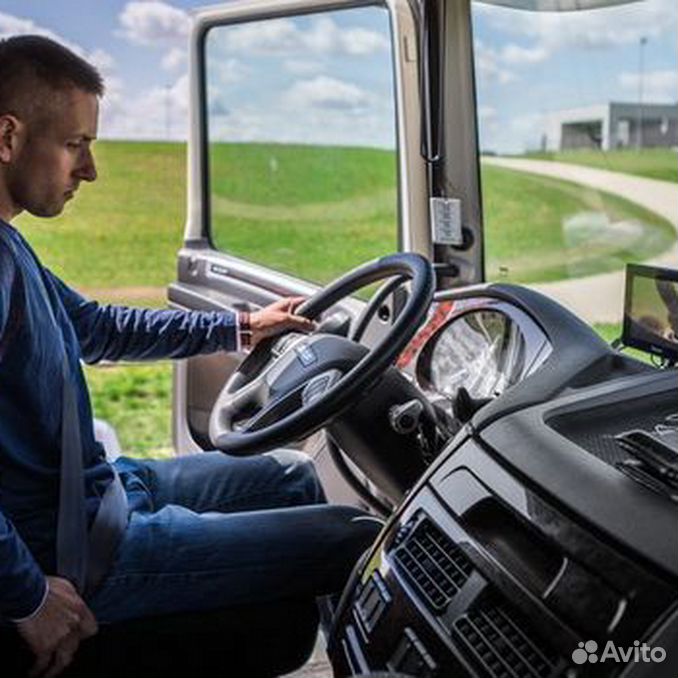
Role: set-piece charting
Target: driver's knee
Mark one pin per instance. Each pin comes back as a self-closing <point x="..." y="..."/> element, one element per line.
<point x="299" y="477"/>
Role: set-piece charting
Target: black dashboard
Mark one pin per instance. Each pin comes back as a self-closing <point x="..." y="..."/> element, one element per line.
<point x="532" y="542"/>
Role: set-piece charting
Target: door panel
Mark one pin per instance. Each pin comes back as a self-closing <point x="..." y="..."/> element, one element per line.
<point x="209" y="281"/>
<point x="299" y="169"/>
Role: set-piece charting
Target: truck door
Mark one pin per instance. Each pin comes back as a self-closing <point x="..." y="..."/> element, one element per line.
<point x="304" y="161"/>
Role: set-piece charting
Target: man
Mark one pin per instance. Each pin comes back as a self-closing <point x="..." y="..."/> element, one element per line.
<point x="197" y="532"/>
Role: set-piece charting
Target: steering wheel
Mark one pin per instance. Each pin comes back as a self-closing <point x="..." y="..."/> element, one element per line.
<point x="290" y="386"/>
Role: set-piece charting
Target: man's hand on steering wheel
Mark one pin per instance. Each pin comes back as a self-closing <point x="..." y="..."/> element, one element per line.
<point x="274" y="319"/>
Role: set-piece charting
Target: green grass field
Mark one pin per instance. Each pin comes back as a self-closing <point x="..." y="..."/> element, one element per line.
<point x="541" y="229"/>
<point x="124" y="230"/>
<point x="296" y="208"/>
<point x="314" y="212"/>
<point x="654" y="163"/>
<point x="136" y="400"/>
<point x="537" y="229"/>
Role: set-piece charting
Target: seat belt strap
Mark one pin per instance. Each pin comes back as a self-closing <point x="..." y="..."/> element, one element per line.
<point x="106" y="533"/>
<point x="72" y="520"/>
<point x="83" y="557"/>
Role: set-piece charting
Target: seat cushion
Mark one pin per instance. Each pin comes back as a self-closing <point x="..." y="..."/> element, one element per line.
<point x="254" y="641"/>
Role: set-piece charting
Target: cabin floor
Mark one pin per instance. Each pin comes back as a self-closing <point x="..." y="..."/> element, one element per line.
<point x="318" y="666"/>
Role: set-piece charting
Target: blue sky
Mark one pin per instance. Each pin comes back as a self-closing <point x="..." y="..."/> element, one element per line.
<point x="530" y="65"/>
<point x="328" y="80"/>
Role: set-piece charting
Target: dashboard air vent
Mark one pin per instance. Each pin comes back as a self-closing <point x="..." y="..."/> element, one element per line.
<point x="433" y="563"/>
<point x="503" y="643"/>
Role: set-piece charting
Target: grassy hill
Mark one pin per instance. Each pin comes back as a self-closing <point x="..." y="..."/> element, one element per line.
<point x="297" y="208"/>
<point x="654" y="163"/>
<point x="541" y="229"/>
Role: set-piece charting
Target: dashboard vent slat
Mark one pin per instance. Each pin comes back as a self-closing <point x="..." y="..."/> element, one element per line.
<point x="433" y="563"/>
<point x="503" y="643"/>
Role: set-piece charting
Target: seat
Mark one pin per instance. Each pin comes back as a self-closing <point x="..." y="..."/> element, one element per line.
<point x="106" y="435"/>
<point x="256" y="641"/>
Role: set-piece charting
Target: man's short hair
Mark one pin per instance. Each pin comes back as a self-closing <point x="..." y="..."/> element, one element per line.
<point x="35" y="69"/>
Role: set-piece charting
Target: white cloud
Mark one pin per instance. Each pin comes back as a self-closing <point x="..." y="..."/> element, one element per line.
<point x="509" y="134"/>
<point x="102" y="60"/>
<point x="515" y="54"/>
<point x="267" y="37"/>
<point x="285" y="37"/>
<point x="302" y="67"/>
<point x="154" y="21"/>
<point x="592" y="29"/>
<point x="487" y="113"/>
<point x="174" y="59"/>
<point x="325" y="36"/>
<point x="322" y="126"/>
<point x="160" y="113"/>
<point x="13" y="25"/>
<point x="229" y="71"/>
<point x="489" y="65"/>
<point x="326" y="92"/>
<point x="658" y="86"/>
<point x="363" y="41"/>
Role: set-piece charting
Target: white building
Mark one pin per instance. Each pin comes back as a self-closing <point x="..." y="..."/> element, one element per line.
<point x="612" y="125"/>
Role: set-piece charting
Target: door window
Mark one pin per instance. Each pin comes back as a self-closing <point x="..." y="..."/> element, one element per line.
<point x="301" y="135"/>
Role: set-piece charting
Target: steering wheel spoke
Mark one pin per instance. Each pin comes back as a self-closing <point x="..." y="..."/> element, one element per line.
<point x="243" y="403"/>
<point x="276" y="409"/>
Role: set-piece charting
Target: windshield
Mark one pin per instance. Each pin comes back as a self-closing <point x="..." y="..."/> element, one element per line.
<point x="578" y="134"/>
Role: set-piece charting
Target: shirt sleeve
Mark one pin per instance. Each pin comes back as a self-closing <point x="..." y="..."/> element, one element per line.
<point x="23" y="586"/>
<point x="122" y="333"/>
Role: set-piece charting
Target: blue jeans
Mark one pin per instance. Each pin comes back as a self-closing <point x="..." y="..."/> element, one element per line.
<point x="210" y="531"/>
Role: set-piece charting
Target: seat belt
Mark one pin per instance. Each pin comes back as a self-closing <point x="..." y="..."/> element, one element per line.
<point x="83" y="558"/>
<point x="107" y="532"/>
<point x="72" y="542"/>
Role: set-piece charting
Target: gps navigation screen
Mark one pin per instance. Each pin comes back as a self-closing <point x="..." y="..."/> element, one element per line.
<point x="651" y="310"/>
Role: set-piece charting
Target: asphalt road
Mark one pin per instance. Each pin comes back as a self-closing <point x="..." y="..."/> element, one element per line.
<point x="661" y="197"/>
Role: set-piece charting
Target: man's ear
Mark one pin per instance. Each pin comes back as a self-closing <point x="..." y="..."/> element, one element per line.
<point x="10" y="131"/>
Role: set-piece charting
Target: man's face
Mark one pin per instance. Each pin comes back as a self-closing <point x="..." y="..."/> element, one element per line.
<point x="54" y="155"/>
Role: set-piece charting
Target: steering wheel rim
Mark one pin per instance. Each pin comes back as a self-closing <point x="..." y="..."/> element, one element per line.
<point x="309" y="418"/>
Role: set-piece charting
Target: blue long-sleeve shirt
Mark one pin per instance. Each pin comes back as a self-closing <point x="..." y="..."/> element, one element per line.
<point x="31" y="347"/>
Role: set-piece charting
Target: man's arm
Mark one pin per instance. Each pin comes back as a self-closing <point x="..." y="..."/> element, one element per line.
<point x="122" y="333"/>
<point x="48" y="613"/>
<point x="22" y="585"/>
